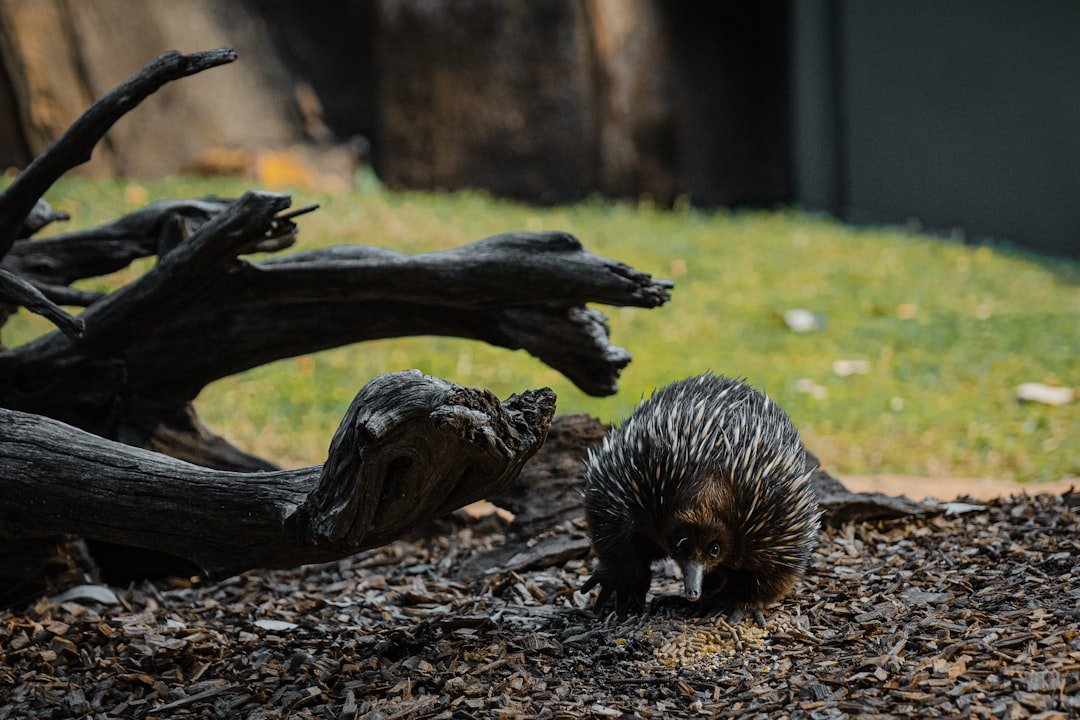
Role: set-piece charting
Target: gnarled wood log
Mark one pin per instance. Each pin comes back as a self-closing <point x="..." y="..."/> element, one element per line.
<point x="129" y="365"/>
<point x="74" y="147"/>
<point x="410" y="448"/>
<point x="62" y="259"/>
<point x="132" y="362"/>
<point x="202" y="313"/>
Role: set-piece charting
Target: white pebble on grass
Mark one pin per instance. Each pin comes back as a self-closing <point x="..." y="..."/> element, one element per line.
<point x="844" y="368"/>
<point x="1045" y="394"/>
<point x="808" y="387"/>
<point x="803" y="321"/>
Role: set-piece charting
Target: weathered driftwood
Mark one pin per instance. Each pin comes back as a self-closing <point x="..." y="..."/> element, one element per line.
<point x="128" y="367"/>
<point x="411" y="447"/>
<point x="516" y="290"/>
<point x="201" y="314"/>
<point x="62" y="259"/>
<point x="843" y="506"/>
<point x="77" y="143"/>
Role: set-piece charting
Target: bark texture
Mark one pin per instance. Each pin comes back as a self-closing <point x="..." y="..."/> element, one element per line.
<point x="410" y="448"/>
<point x="97" y="435"/>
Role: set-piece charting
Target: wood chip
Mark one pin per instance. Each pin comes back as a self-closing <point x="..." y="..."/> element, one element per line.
<point x="971" y="615"/>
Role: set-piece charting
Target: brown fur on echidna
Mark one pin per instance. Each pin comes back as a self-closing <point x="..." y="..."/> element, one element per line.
<point x="710" y="472"/>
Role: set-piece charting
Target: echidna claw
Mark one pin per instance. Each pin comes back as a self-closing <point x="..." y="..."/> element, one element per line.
<point x="736" y="616"/>
<point x="629" y="597"/>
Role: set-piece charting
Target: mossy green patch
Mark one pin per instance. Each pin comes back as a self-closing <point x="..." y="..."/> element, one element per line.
<point x="947" y="331"/>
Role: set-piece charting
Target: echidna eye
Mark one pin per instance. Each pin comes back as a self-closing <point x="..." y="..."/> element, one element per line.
<point x="680" y="543"/>
<point x="714" y="550"/>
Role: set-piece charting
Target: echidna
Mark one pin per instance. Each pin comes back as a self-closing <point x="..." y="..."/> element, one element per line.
<point x="711" y="473"/>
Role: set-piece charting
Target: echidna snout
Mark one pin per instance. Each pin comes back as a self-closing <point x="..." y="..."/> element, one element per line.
<point x="693" y="574"/>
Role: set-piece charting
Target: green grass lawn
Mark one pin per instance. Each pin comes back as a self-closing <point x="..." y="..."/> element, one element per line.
<point x="948" y="331"/>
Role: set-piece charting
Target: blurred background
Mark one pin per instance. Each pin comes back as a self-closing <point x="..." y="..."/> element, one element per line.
<point x="959" y="116"/>
<point x="902" y="172"/>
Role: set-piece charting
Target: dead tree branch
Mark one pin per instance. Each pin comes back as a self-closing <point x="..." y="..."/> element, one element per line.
<point x="410" y="448"/>
<point x="127" y="368"/>
<point x="15" y="290"/>
<point x="77" y="143"/>
<point x="202" y="314"/>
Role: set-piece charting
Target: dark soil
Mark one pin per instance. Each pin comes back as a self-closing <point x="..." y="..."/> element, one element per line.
<point x="975" y="615"/>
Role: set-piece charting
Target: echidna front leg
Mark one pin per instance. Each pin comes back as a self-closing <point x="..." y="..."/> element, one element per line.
<point x="736" y="591"/>
<point x="624" y="574"/>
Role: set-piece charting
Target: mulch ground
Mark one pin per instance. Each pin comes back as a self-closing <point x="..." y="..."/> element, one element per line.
<point x="975" y="615"/>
